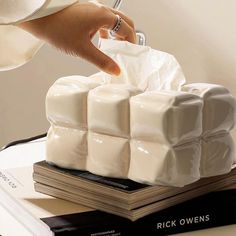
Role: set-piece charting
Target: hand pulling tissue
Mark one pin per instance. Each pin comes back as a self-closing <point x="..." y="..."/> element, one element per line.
<point x="147" y="124"/>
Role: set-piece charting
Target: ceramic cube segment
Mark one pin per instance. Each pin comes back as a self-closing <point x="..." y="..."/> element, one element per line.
<point x="217" y="155"/>
<point x="66" y="101"/>
<point x="166" y="117"/>
<point x="67" y="147"/>
<point x="219" y="107"/>
<point x="156" y="163"/>
<point x="108" y="155"/>
<point x="109" y="110"/>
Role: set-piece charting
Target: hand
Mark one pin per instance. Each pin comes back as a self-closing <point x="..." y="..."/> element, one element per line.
<point x="72" y="29"/>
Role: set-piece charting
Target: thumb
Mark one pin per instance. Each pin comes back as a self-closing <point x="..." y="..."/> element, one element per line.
<point x="101" y="60"/>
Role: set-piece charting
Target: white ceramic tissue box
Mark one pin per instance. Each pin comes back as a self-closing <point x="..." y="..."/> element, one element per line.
<point x="67" y="147"/>
<point x="109" y="109"/>
<point x="153" y="162"/>
<point x="115" y="130"/>
<point x="218" y="120"/>
<point x="218" y="155"/>
<point x="219" y="107"/>
<point x="170" y="117"/>
<point x="66" y="101"/>
<point x="108" y="155"/>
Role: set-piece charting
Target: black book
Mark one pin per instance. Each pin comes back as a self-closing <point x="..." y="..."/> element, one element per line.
<point x="199" y="213"/>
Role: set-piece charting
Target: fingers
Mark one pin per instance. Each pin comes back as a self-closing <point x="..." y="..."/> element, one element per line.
<point x="126" y="30"/>
<point x="98" y="58"/>
<point x="124" y="17"/>
<point x="103" y="33"/>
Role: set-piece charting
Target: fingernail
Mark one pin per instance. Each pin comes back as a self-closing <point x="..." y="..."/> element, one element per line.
<point x="117" y="70"/>
<point x="114" y="69"/>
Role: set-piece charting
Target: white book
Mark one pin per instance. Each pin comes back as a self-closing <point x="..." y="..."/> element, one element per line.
<point x="29" y="207"/>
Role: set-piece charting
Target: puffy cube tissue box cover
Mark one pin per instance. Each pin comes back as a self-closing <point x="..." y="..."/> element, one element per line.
<point x="147" y="125"/>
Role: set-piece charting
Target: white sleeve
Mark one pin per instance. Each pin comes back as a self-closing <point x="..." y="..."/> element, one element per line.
<point x="16" y="45"/>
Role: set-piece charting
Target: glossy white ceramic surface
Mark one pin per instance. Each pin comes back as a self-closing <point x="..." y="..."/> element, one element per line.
<point x="109" y="109"/>
<point x="67" y="147"/>
<point x="169" y="117"/>
<point x="108" y="155"/>
<point x="66" y="101"/>
<point x="217" y="155"/>
<point x="219" y="107"/>
<point x="155" y="163"/>
<point x="168" y="138"/>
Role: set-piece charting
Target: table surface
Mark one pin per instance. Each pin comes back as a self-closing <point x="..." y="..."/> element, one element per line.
<point x="26" y="155"/>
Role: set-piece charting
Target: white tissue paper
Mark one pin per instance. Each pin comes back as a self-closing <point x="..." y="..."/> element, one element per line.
<point x="142" y="66"/>
<point x="145" y="125"/>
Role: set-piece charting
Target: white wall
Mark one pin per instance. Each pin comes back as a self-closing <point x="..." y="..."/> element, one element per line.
<point x="200" y="33"/>
<point x="23" y="91"/>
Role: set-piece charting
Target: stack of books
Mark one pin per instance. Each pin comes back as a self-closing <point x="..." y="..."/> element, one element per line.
<point x="122" y="207"/>
<point x="121" y="197"/>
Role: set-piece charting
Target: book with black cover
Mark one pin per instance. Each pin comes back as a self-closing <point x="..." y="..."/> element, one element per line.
<point x="200" y="213"/>
<point x="46" y="215"/>
<point x="118" y="196"/>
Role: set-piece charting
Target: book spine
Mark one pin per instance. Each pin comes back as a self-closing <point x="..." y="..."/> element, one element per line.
<point x="92" y="223"/>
